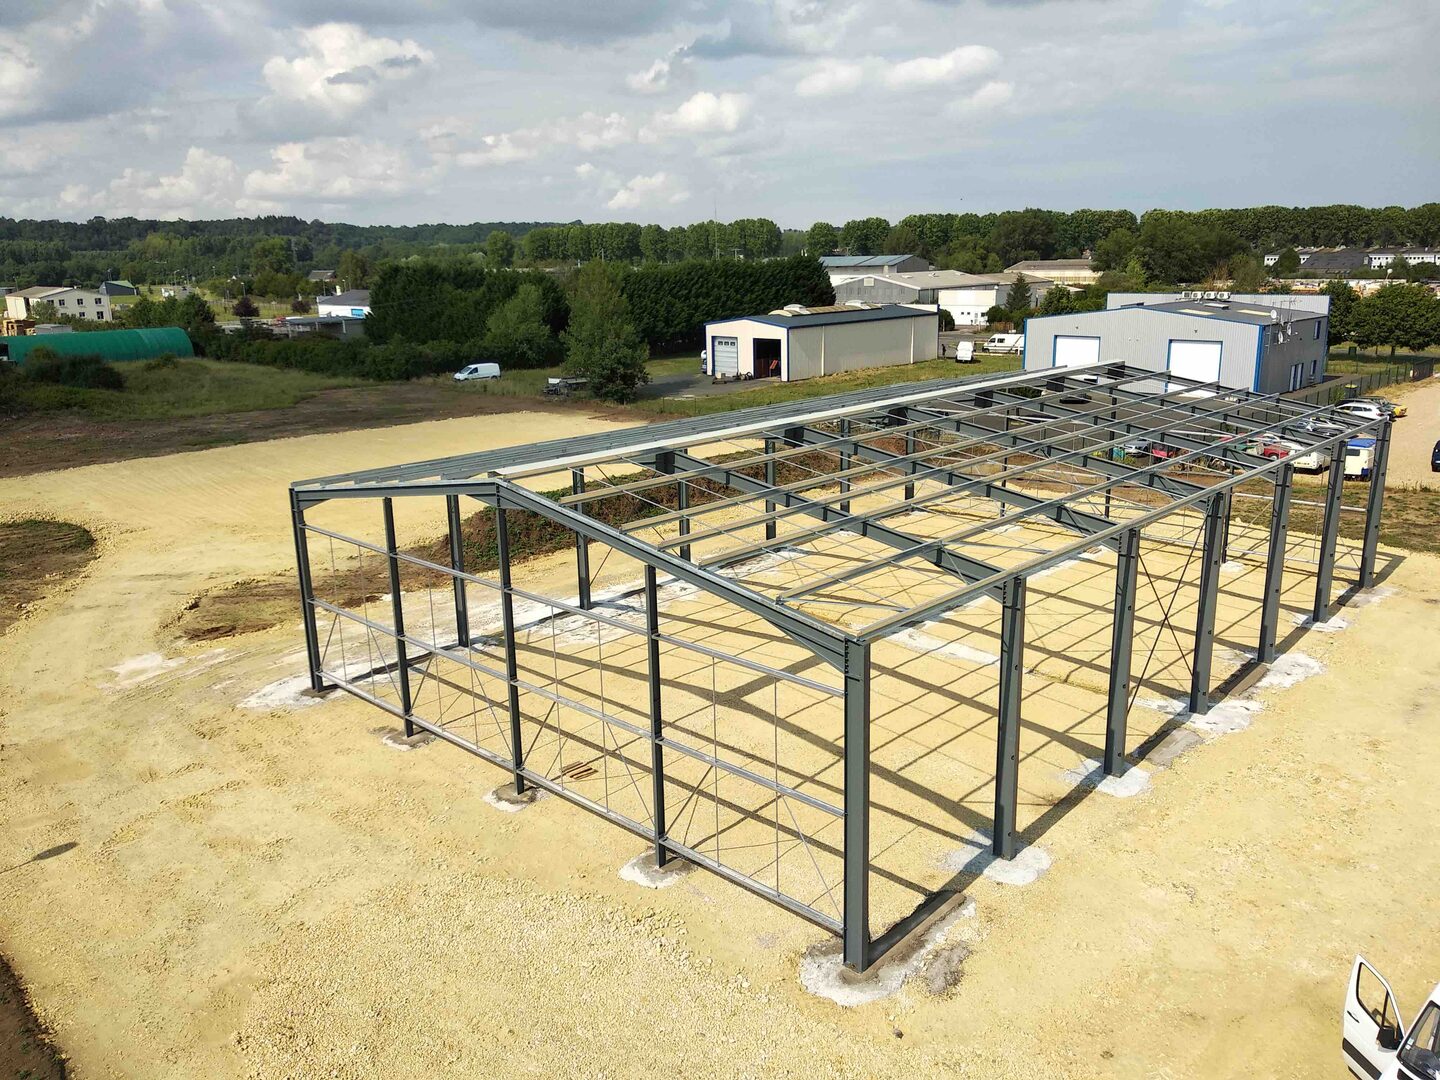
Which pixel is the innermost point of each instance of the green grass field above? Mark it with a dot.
(186, 388)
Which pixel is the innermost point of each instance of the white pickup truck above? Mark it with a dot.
(1374, 1043)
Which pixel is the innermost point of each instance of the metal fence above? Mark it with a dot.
(1341, 385)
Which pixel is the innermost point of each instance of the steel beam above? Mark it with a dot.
(1007, 742)
(769, 482)
(457, 560)
(512, 667)
(1329, 533)
(857, 806)
(1205, 606)
(844, 448)
(1275, 564)
(1122, 640)
(307, 595)
(397, 609)
(582, 545)
(1374, 503)
(657, 749)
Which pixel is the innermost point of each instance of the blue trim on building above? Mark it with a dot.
(1259, 357)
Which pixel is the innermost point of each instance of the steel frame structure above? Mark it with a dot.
(1042, 447)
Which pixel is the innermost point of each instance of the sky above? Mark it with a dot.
(408, 111)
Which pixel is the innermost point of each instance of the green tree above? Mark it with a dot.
(353, 270)
(822, 239)
(44, 311)
(1403, 316)
(1288, 263)
(273, 254)
(517, 334)
(601, 343)
(1342, 310)
(1247, 274)
(245, 308)
(866, 236)
(654, 245)
(1114, 251)
(1057, 300)
(499, 250)
(904, 240)
(1018, 301)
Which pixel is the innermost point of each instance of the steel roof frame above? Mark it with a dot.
(952, 432)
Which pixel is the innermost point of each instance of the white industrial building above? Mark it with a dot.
(1318, 303)
(82, 303)
(353, 302)
(842, 268)
(801, 343)
(967, 297)
(1236, 344)
(1077, 272)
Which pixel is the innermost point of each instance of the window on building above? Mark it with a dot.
(79, 299)
(1317, 329)
(99, 314)
(869, 281)
(60, 303)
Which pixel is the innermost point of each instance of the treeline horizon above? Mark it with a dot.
(1165, 244)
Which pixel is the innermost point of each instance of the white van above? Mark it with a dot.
(1005, 343)
(1374, 1043)
(1359, 458)
(478, 371)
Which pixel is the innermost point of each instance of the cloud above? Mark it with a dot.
(702, 114)
(992, 95)
(965, 62)
(643, 191)
(342, 70)
(832, 77)
(207, 184)
(587, 132)
(334, 170)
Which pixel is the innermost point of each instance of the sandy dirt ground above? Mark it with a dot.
(263, 886)
(1415, 435)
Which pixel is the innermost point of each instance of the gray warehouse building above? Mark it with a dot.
(800, 343)
(1240, 345)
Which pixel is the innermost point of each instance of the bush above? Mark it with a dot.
(947, 321)
(163, 362)
(86, 371)
(245, 308)
(330, 356)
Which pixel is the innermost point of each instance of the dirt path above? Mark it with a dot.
(1415, 436)
(262, 887)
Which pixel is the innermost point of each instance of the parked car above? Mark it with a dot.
(1362, 410)
(1373, 1043)
(1324, 428)
(1004, 343)
(1395, 410)
(478, 371)
(1435, 458)
(565, 385)
(1301, 457)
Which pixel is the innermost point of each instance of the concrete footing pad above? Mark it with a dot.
(398, 740)
(506, 798)
(933, 955)
(643, 870)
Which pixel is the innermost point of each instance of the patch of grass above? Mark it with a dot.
(36, 555)
(773, 393)
(186, 388)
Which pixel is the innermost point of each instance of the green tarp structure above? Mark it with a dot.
(113, 345)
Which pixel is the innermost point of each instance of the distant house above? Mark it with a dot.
(338, 326)
(320, 277)
(967, 297)
(354, 302)
(118, 288)
(1338, 262)
(1061, 271)
(797, 342)
(1304, 254)
(82, 303)
(844, 267)
(1379, 260)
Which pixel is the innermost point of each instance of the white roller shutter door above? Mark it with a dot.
(726, 356)
(1073, 351)
(1199, 360)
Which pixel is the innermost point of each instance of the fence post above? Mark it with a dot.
(1373, 504)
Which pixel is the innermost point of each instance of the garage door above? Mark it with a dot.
(727, 356)
(1196, 360)
(1071, 351)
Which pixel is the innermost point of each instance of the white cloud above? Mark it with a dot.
(587, 132)
(652, 80)
(703, 114)
(342, 69)
(832, 77)
(992, 95)
(334, 170)
(205, 181)
(643, 191)
(965, 62)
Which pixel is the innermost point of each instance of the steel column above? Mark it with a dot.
(457, 560)
(770, 483)
(1122, 639)
(657, 751)
(909, 453)
(1275, 565)
(1374, 503)
(507, 616)
(1007, 741)
(1205, 606)
(582, 545)
(845, 465)
(1329, 533)
(857, 806)
(397, 608)
(307, 594)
